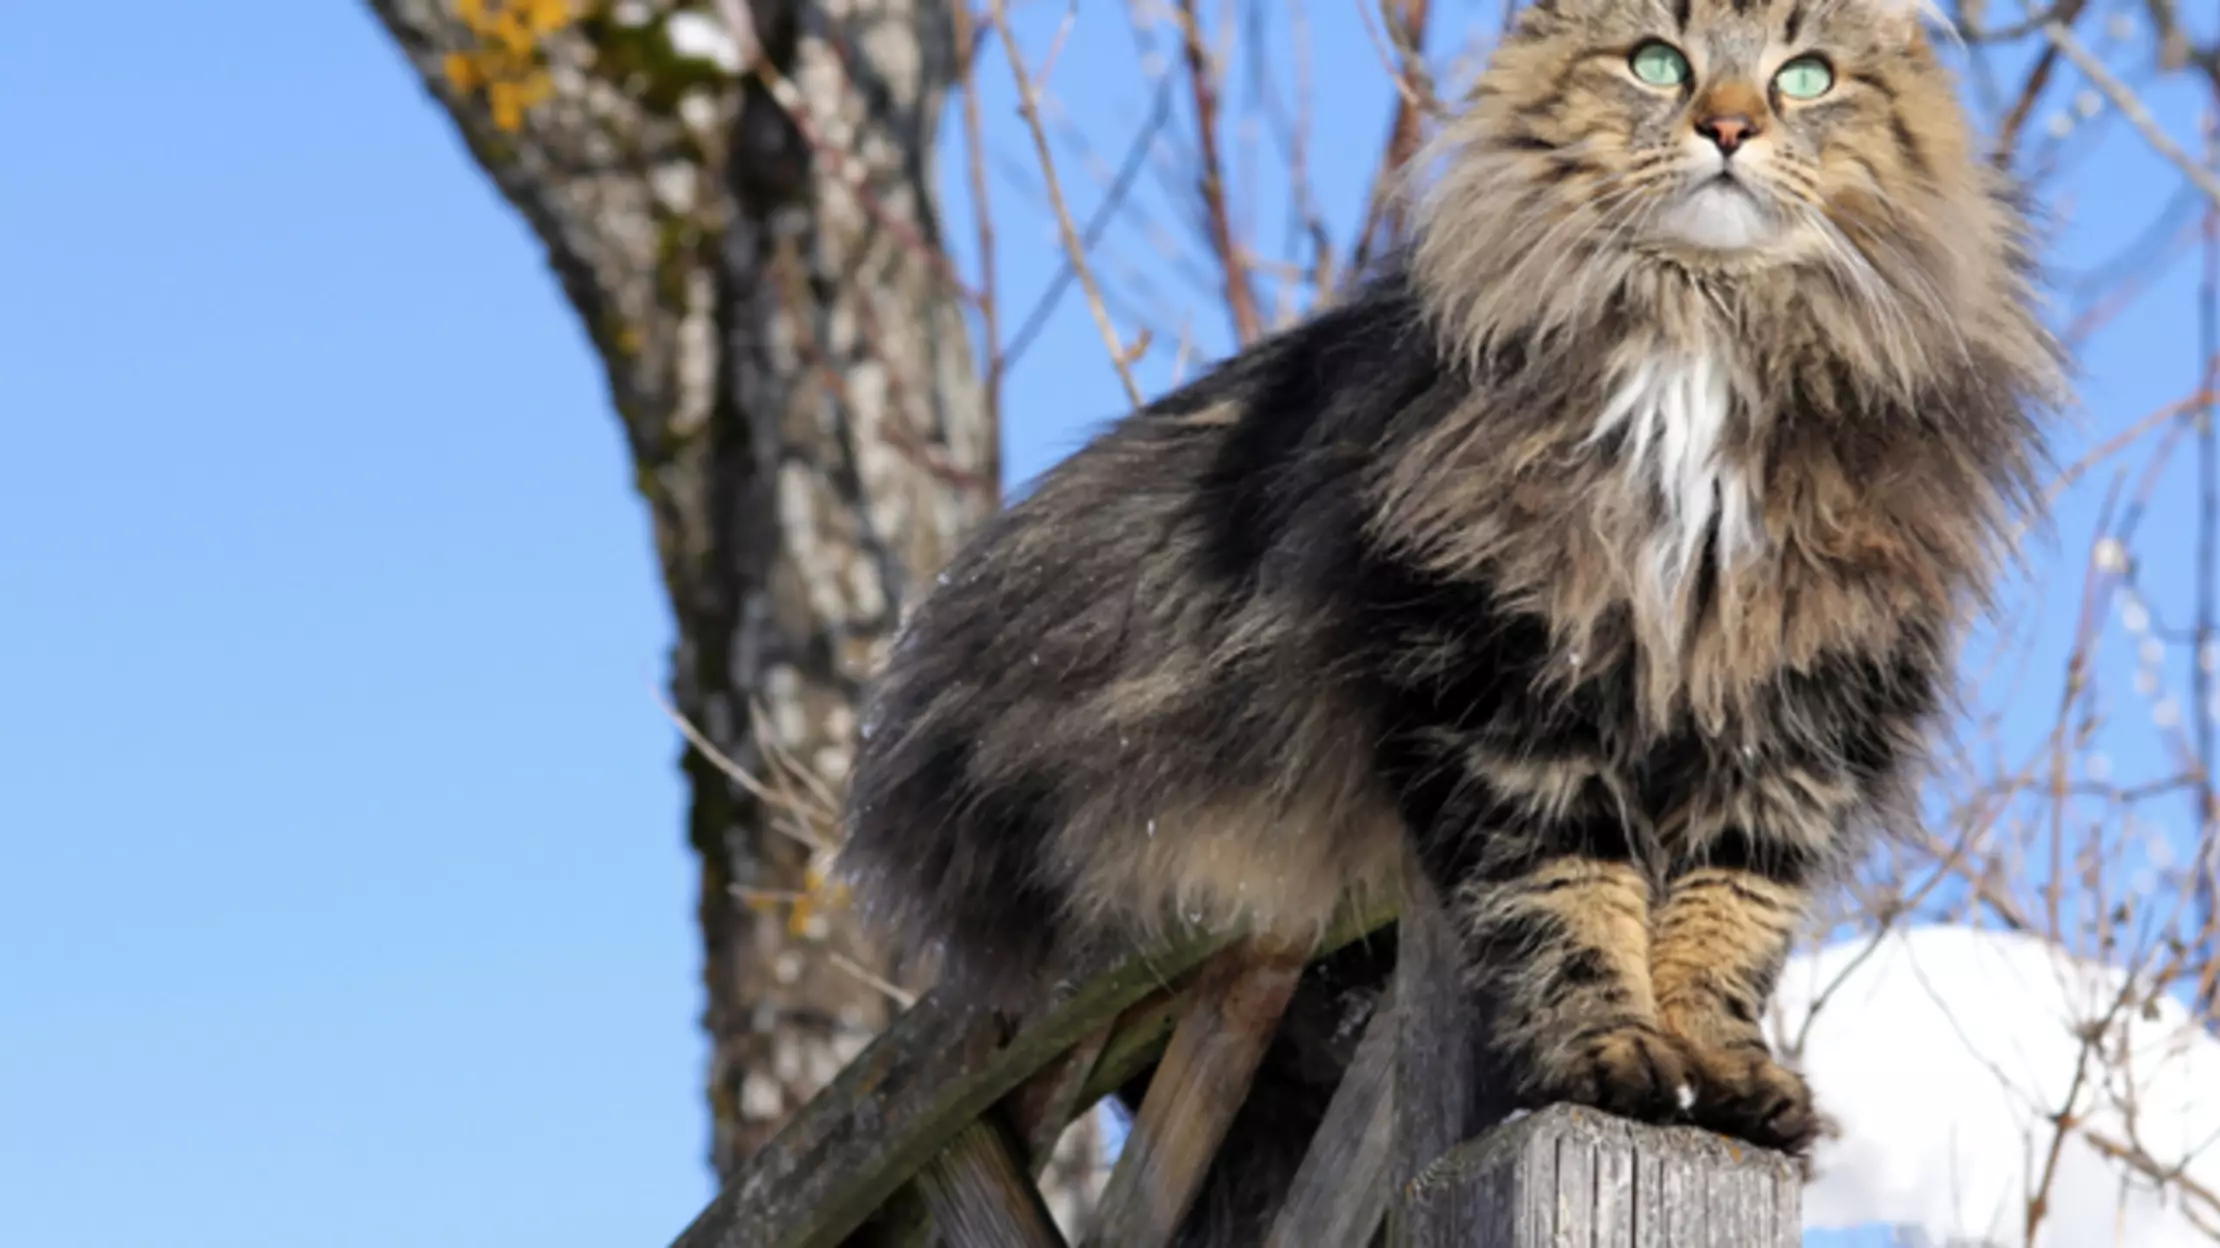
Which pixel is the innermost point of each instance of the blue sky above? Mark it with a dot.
(341, 874)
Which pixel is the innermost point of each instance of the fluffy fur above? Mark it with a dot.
(1610, 547)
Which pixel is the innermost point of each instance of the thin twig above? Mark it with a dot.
(894, 992)
(1211, 184)
(975, 161)
(1382, 214)
(2131, 107)
(2031, 90)
(1029, 107)
(1136, 158)
(2207, 870)
(800, 832)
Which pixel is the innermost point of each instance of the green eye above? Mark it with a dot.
(1659, 64)
(1805, 78)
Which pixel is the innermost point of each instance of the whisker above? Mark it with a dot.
(1590, 216)
(1880, 297)
(1628, 202)
(1908, 272)
(1875, 299)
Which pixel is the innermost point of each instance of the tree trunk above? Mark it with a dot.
(747, 228)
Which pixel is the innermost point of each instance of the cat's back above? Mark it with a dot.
(1145, 632)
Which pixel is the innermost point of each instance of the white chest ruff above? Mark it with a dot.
(1674, 410)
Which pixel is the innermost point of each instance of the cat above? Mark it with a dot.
(1608, 549)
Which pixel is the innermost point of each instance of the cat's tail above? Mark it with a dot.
(948, 866)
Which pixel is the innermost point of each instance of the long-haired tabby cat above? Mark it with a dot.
(1609, 548)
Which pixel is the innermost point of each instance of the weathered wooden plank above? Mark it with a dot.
(938, 1067)
(1536, 1182)
(1615, 1214)
(1648, 1201)
(1044, 1106)
(1232, 1013)
(981, 1197)
(1038, 1110)
(903, 1221)
(1435, 1028)
(1136, 1039)
(1142, 1033)
(1685, 1220)
(1340, 1192)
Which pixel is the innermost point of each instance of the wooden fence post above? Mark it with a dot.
(952, 1100)
(1564, 1175)
(1437, 1102)
(1568, 1175)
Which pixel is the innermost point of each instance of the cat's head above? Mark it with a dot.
(1814, 143)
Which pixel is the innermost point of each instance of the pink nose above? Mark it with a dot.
(1727, 130)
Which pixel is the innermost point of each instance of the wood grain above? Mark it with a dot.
(1340, 1192)
(1232, 1013)
(982, 1198)
(1570, 1175)
(1435, 1093)
(939, 1067)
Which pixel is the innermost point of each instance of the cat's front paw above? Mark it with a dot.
(1744, 1093)
(1634, 1071)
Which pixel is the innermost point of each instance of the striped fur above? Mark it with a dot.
(1613, 558)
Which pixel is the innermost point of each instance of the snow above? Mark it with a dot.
(1943, 1053)
(702, 37)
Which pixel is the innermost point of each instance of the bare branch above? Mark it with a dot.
(1029, 107)
(1211, 182)
(2131, 107)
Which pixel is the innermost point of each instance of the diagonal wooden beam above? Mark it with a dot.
(941, 1065)
(1051, 1101)
(982, 1198)
(1340, 1192)
(892, 1110)
(1232, 1015)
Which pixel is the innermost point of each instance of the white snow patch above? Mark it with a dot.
(701, 37)
(1943, 1055)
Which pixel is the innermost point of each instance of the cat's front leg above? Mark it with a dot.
(1554, 916)
(1722, 934)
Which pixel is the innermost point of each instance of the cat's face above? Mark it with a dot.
(1723, 131)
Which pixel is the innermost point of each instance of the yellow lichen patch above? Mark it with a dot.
(820, 894)
(819, 891)
(506, 60)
